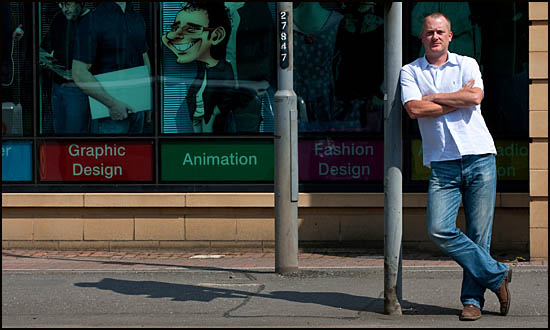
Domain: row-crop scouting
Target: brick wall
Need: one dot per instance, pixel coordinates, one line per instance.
(230, 221)
(538, 130)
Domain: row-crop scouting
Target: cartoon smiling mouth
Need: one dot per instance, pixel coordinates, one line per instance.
(185, 46)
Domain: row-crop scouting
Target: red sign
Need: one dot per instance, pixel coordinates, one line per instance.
(96, 161)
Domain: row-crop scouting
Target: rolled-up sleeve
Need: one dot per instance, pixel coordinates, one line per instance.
(409, 87)
(473, 72)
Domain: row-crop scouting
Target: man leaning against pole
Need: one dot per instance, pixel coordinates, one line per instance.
(443, 91)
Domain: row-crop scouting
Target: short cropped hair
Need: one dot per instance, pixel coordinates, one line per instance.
(437, 15)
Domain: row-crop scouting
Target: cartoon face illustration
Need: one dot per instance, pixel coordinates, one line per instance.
(191, 38)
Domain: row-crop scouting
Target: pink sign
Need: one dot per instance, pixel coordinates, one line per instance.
(341, 160)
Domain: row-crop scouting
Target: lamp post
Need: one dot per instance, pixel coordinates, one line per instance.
(393, 147)
(286, 150)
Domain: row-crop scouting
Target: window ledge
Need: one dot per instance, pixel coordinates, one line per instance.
(225, 200)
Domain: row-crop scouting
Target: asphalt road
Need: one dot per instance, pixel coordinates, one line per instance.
(259, 298)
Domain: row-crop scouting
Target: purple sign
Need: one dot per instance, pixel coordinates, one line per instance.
(341, 160)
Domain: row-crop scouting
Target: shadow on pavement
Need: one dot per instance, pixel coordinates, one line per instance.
(186, 292)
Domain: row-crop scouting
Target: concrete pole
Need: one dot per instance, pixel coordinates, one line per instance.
(393, 203)
(286, 150)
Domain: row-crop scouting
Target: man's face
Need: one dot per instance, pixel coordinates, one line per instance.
(188, 38)
(71, 10)
(436, 36)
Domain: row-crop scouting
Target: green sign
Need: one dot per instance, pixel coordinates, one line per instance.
(418, 170)
(217, 160)
(512, 160)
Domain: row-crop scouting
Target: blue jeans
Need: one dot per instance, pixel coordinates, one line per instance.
(71, 110)
(131, 125)
(471, 180)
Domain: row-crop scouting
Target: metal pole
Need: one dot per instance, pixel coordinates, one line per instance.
(286, 150)
(393, 203)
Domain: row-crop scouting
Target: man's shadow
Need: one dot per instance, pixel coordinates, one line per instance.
(187, 292)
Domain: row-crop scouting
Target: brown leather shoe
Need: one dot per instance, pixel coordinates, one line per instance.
(470, 313)
(503, 294)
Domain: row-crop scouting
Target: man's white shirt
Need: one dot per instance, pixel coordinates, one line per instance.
(457, 133)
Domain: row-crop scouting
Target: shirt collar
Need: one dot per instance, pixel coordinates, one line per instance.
(451, 59)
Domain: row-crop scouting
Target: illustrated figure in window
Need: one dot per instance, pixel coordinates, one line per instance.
(251, 51)
(70, 106)
(199, 35)
(315, 31)
(111, 38)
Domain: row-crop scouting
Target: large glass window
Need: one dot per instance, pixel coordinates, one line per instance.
(95, 68)
(178, 96)
(338, 66)
(16, 61)
(338, 78)
(16, 92)
(218, 67)
(500, 46)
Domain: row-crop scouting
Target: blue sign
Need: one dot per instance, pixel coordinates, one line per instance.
(17, 161)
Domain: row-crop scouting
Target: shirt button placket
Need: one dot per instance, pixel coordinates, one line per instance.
(433, 73)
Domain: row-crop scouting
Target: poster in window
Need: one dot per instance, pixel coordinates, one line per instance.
(80, 41)
(218, 67)
(339, 66)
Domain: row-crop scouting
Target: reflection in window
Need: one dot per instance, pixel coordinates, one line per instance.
(338, 73)
(466, 34)
(504, 63)
(103, 91)
(70, 113)
(499, 44)
(16, 68)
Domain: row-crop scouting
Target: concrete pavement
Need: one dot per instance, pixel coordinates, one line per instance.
(202, 289)
(142, 259)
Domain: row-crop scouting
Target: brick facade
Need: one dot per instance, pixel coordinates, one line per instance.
(538, 130)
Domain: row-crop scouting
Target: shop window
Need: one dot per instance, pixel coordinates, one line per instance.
(202, 112)
(338, 66)
(17, 80)
(16, 92)
(338, 78)
(500, 46)
(218, 67)
(109, 90)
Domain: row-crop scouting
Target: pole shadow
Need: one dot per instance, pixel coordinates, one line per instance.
(196, 293)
